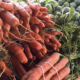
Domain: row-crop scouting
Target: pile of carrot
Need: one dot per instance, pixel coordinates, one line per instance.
(28, 40)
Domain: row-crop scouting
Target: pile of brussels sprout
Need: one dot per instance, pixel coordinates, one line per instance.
(62, 7)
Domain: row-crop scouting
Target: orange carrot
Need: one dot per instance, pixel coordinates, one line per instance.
(26, 7)
(34, 44)
(26, 24)
(9, 18)
(35, 28)
(43, 9)
(35, 20)
(62, 73)
(22, 11)
(1, 22)
(58, 66)
(7, 6)
(27, 50)
(36, 13)
(44, 14)
(56, 41)
(20, 21)
(21, 71)
(77, 79)
(6, 26)
(17, 51)
(45, 66)
(53, 45)
(34, 6)
(45, 18)
(38, 37)
(41, 24)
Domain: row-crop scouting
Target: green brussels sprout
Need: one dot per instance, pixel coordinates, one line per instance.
(53, 2)
(61, 2)
(66, 4)
(49, 7)
(73, 4)
(58, 14)
(78, 9)
(43, 3)
(65, 10)
(58, 8)
(77, 1)
(69, 1)
(76, 16)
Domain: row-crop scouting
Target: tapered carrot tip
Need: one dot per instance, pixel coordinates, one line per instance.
(25, 77)
(77, 79)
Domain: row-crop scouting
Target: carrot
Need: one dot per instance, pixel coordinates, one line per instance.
(49, 24)
(20, 21)
(26, 24)
(1, 22)
(45, 18)
(77, 79)
(45, 66)
(7, 6)
(35, 20)
(9, 18)
(1, 30)
(27, 50)
(44, 49)
(17, 51)
(55, 32)
(1, 33)
(38, 37)
(6, 26)
(21, 71)
(56, 41)
(36, 13)
(44, 14)
(35, 28)
(22, 11)
(43, 9)
(34, 44)
(26, 7)
(58, 66)
(41, 24)
(62, 73)
(34, 6)
(37, 53)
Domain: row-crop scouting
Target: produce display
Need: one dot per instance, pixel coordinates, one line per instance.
(29, 43)
(61, 9)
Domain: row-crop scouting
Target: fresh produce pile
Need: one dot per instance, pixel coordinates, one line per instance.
(61, 10)
(28, 43)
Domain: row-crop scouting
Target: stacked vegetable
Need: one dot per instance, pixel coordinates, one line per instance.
(61, 10)
(28, 38)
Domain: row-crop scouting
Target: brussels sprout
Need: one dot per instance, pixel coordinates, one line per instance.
(58, 8)
(49, 7)
(77, 1)
(65, 10)
(78, 9)
(43, 3)
(58, 14)
(53, 2)
(69, 1)
(61, 2)
(66, 4)
(76, 16)
(73, 4)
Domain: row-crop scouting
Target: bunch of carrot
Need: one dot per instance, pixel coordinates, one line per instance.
(27, 32)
